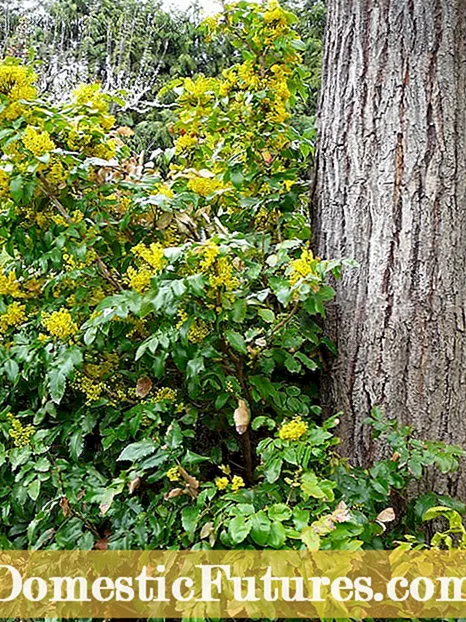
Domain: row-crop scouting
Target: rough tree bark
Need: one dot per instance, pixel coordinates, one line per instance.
(391, 193)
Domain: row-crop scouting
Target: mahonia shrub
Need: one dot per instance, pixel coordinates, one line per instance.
(159, 323)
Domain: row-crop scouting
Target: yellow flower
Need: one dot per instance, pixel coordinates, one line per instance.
(237, 482)
(198, 331)
(56, 174)
(224, 275)
(293, 430)
(165, 190)
(105, 151)
(198, 91)
(153, 255)
(173, 474)
(139, 279)
(91, 95)
(59, 324)
(210, 252)
(224, 468)
(91, 388)
(303, 267)
(165, 393)
(15, 315)
(221, 482)
(16, 82)
(38, 143)
(185, 143)
(9, 286)
(21, 435)
(4, 184)
(205, 186)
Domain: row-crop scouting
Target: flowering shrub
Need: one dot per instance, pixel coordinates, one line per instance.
(159, 323)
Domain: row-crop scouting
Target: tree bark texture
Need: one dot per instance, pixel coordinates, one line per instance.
(391, 194)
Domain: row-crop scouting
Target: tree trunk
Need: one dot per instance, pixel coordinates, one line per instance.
(391, 194)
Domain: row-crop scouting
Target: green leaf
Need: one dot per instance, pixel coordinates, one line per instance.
(137, 450)
(279, 512)
(16, 188)
(236, 177)
(236, 341)
(239, 310)
(310, 485)
(11, 369)
(193, 458)
(238, 529)
(189, 518)
(310, 539)
(42, 465)
(34, 489)
(260, 528)
(277, 536)
(76, 444)
(267, 315)
(273, 469)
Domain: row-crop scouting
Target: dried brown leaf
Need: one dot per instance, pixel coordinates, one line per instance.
(143, 386)
(242, 417)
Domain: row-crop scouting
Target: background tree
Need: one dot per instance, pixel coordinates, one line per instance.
(391, 194)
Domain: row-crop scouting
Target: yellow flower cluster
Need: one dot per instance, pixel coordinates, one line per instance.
(91, 95)
(139, 279)
(171, 236)
(15, 315)
(106, 150)
(275, 13)
(185, 142)
(21, 435)
(165, 190)
(183, 317)
(303, 267)
(224, 275)
(4, 184)
(236, 483)
(37, 142)
(293, 430)
(91, 388)
(210, 253)
(165, 393)
(173, 474)
(153, 255)
(76, 217)
(9, 286)
(59, 324)
(16, 82)
(198, 91)
(56, 174)
(198, 331)
(223, 482)
(205, 186)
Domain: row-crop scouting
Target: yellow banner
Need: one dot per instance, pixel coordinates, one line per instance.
(239, 584)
